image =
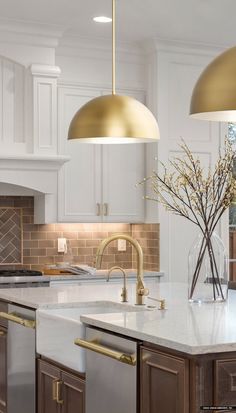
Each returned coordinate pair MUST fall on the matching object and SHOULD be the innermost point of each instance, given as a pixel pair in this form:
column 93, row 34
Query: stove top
column 19, row 273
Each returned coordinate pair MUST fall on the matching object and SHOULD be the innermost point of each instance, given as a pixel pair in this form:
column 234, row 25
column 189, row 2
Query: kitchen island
column 187, row 352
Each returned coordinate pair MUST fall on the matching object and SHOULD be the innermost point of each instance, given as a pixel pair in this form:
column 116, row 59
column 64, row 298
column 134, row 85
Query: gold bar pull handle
column 16, row 319
column 98, row 348
column 56, row 391
column 2, row 333
column 105, row 209
column 98, row 209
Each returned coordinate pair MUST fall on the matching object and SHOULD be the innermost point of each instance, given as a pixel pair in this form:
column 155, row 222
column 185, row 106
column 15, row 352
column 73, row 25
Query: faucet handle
column 143, row 291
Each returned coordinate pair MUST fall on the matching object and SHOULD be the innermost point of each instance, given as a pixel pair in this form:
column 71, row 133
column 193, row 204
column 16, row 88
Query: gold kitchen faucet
column 141, row 291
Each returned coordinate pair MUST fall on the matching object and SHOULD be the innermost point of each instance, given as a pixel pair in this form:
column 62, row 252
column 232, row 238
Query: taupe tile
column 46, row 244
column 38, row 252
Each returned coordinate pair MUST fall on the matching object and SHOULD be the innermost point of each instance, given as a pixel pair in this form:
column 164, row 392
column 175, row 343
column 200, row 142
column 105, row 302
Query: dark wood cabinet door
column 164, row 383
column 3, row 370
column 225, row 382
column 48, row 376
column 73, row 393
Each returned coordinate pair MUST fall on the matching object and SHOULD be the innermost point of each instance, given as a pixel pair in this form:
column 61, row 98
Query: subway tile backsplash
column 40, row 241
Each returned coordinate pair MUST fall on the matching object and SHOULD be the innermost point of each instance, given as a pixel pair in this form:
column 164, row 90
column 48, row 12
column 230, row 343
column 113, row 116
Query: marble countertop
column 67, row 296
column 190, row 328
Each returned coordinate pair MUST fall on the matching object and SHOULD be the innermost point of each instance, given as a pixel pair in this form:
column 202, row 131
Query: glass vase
column 208, row 269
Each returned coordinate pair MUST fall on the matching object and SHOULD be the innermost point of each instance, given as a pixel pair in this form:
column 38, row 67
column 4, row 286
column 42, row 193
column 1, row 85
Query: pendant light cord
column 113, row 47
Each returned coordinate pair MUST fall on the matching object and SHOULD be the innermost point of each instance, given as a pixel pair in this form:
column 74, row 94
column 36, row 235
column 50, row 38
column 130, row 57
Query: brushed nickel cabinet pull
column 98, row 348
column 98, row 209
column 16, row 319
column 105, row 209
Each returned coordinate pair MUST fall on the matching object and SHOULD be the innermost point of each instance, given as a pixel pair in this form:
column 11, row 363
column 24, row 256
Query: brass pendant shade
column 114, row 118
column 214, row 95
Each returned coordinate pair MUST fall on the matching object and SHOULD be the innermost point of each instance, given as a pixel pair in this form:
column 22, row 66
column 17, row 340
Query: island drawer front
column 164, row 382
column 225, row 382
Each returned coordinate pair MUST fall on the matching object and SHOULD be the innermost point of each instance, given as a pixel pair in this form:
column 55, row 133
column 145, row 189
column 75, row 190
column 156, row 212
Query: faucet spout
column 124, row 293
column 141, row 291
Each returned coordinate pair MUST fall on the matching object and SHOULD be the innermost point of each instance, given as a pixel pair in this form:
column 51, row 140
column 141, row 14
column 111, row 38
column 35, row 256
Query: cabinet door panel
column 47, row 374
column 164, row 383
column 73, row 394
column 80, row 178
column 225, row 382
column 123, row 168
column 3, row 370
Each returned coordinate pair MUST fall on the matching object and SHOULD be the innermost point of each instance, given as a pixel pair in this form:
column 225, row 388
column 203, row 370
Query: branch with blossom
column 199, row 196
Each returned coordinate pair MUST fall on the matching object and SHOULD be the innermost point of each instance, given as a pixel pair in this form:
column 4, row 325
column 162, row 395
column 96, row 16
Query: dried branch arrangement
column 198, row 195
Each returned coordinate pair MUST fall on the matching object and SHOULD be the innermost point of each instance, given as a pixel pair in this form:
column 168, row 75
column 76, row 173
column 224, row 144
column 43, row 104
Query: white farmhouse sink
column 58, row 328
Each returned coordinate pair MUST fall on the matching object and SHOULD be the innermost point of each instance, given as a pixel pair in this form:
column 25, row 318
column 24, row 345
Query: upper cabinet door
column 98, row 184
column 79, row 179
column 123, row 168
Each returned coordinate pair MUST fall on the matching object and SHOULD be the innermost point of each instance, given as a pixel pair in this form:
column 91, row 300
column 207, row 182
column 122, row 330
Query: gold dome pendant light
column 114, row 118
column 214, row 95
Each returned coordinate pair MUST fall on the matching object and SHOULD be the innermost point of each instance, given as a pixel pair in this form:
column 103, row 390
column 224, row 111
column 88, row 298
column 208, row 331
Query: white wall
column 172, row 75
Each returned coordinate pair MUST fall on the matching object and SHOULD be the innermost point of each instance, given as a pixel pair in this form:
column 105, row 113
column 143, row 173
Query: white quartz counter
column 67, row 296
column 191, row 328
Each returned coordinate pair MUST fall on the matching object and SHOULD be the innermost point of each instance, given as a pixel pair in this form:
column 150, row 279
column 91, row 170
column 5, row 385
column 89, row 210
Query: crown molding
column 179, row 46
column 105, row 87
column 29, row 33
column 72, row 44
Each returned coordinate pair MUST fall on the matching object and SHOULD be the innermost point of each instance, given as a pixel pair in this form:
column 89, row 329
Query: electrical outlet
column 121, row 245
column 61, row 245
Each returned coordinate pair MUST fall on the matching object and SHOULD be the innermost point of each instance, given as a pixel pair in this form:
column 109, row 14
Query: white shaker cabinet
column 98, row 183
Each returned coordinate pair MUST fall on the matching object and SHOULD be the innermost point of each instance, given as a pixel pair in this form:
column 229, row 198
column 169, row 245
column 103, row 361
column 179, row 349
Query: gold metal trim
column 141, row 291
column 16, row 319
column 113, row 47
column 105, row 209
column 56, row 391
column 124, row 292
column 214, row 95
column 98, row 209
column 162, row 302
column 98, row 348
column 112, row 118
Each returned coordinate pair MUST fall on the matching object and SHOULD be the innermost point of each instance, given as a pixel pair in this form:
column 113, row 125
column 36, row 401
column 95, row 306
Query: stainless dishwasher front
column 20, row 359
column 111, row 383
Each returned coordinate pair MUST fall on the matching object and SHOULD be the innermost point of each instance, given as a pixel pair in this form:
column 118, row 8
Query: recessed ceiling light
column 102, row 19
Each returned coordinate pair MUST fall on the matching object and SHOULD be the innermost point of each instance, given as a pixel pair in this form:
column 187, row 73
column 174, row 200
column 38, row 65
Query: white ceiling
column 202, row 21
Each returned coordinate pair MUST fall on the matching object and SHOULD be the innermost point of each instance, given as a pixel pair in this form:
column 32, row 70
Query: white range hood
column 36, row 176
